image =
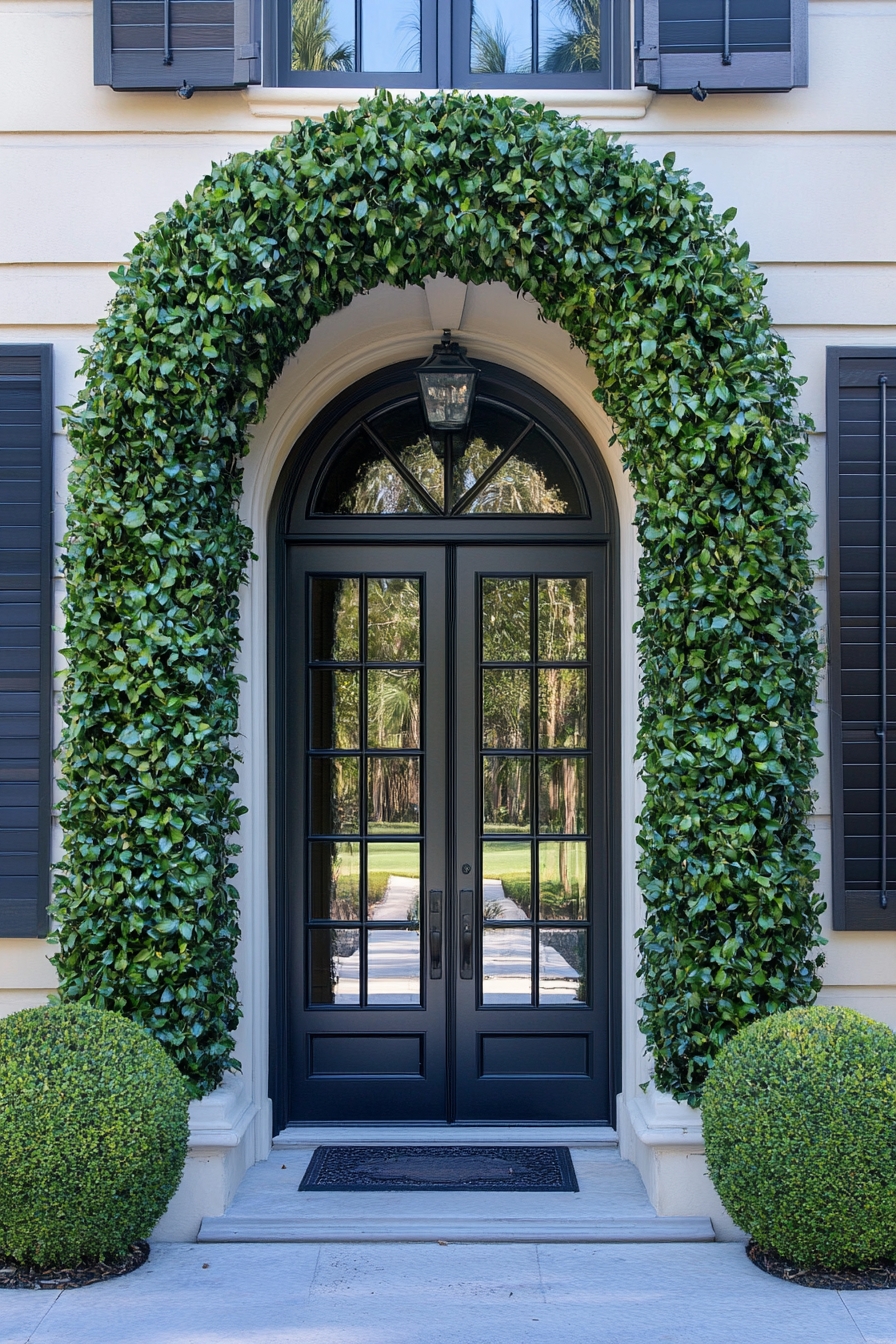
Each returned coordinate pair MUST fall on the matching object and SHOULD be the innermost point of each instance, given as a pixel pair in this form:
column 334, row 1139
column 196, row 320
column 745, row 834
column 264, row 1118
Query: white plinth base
column 664, row 1139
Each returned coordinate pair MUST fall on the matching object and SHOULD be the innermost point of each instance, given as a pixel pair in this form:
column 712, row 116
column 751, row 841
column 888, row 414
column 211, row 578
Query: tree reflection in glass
column 561, row 795
column 506, row 707
column 335, row 880
column 393, row 794
column 562, row 965
column 393, row 707
column 323, row 35
column 393, row 620
column 335, row 704
column 568, row 36
column 506, row 636
column 562, row 707
column 505, row 794
column 335, row 966
column 562, row 620
column 335, row 795
column 335, row 620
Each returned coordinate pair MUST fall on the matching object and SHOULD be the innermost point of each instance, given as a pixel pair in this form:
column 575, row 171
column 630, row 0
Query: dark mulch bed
column 14, row 1275
column 881, row 1275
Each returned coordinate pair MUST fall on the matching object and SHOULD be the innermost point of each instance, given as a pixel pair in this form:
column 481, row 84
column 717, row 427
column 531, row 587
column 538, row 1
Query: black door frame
column 290, row 520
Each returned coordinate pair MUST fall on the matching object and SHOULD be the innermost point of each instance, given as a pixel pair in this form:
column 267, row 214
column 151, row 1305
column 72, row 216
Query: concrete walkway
column 454, row 1294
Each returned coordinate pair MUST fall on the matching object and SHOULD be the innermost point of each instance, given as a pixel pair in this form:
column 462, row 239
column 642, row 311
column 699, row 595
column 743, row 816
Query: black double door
column 446, row 826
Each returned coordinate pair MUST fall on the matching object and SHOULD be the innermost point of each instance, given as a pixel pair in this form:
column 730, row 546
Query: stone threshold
column 456, row 1229
column 568, row 1136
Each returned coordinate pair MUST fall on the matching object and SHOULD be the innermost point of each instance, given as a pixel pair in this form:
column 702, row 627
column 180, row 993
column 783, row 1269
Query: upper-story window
column 455, row 43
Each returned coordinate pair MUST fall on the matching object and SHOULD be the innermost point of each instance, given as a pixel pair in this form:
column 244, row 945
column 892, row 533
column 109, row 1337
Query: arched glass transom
column 507, row 464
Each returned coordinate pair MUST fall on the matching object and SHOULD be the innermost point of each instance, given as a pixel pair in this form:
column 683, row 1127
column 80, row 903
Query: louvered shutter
column 722, row 45
column 26, row 554
column 861, row 423
column 166, row 44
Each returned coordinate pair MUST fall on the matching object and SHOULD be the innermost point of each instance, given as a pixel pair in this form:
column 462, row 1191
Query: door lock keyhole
column 465, row 868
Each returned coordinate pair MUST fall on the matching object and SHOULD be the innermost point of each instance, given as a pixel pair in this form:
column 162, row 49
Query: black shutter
column 166, row 44
column 722, row 45
column 861, row 421
column 26, row 557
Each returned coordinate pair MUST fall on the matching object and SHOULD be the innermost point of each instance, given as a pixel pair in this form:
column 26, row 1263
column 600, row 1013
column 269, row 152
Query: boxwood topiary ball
column 799, row 1119
column 93, row 1134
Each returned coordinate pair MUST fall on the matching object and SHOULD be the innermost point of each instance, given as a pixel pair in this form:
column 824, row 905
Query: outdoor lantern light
column 447, row 383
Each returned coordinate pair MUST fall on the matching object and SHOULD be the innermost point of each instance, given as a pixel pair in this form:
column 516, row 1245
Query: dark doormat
column 432, row 1167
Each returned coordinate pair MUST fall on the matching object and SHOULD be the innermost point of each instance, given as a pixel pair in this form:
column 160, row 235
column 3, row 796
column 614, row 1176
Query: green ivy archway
column 629, row 258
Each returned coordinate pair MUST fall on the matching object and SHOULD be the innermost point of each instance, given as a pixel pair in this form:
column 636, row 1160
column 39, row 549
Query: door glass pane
column 426, row 468
column 506, row 634
column 393, row 620
column 561, row 794
column 505, row 794
column 506, row 879
column 335, row 795
column 506, row 966
column 390, row 35
column 562, row 707
column 393, row 966
column 562, row 620
column 393, row 708
column 334, row 710
column 501, row 37
column 533, row 480
column 323, row 34
column 506, row 709
column 393, row 882
column 562, row 879
column 335, row 606
column 336, row 880
column 562, row 976
column 393, row 794
column 568, row 35
column 335, row 966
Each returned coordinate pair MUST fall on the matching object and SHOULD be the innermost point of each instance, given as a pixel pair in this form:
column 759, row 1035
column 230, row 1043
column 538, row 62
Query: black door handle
column 435, row 935
column 466, row 935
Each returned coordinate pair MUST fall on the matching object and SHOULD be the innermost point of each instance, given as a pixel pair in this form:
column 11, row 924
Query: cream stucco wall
column 813, row 176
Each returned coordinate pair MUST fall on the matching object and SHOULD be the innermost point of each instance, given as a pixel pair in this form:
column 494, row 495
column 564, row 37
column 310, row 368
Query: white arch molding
column 231, row 1129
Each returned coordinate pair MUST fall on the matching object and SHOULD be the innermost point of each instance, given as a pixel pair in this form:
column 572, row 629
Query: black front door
column 446, row 833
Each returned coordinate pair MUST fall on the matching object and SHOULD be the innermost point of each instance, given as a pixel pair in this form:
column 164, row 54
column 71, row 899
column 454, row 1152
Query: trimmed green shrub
column 93, row 1134
column 799, row 1119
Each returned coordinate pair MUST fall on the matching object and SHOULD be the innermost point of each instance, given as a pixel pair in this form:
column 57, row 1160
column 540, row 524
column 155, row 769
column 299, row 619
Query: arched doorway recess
column 447, row 756
column 630, row 260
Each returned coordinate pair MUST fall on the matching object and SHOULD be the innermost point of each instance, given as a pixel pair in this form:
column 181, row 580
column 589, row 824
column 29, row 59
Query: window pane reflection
column 562, row 620
column 562, row 967
column 505, row 793
column 393, row 966
column 506, row 879
column 393, row 794
column 506, row 710
column 393, row 882
column 334, row 710
column 323, row 35
column 568, row 36
column 393, row 708
column 335, row 966
column 390, row 35
column 335, row 606
column 501, row 37
column 562, row 707
column 506, row 635
column 506, row 966
column 335, row 880
column 562, row 879
column 393, row 620
column 561, row 795
column 335, row 795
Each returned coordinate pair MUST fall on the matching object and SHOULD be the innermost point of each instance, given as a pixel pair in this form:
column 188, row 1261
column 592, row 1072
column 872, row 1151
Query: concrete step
column 314, row 1228
column 569, row 1136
